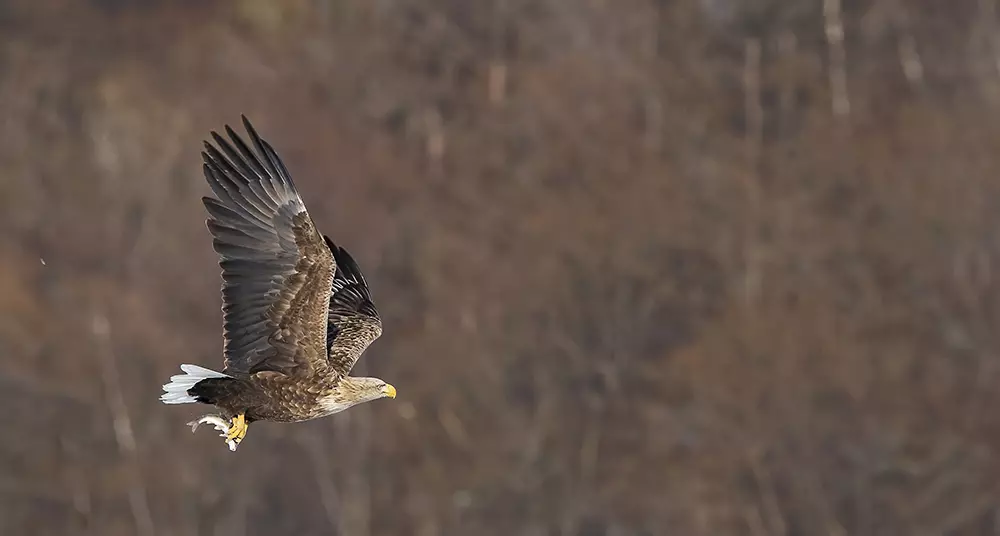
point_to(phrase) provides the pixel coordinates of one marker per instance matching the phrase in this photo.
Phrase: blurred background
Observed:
(686, 267)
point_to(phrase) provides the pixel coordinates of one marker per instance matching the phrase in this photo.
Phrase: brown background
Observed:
(685, 267)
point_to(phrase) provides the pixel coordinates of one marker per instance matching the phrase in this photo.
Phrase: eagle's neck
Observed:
(331, 404)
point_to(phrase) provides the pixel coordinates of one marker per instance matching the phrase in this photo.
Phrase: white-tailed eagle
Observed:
(297, 310)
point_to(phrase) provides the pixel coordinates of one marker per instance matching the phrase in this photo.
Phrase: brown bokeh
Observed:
(691, 267)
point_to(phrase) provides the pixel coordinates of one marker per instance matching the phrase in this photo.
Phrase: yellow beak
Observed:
(389, 391)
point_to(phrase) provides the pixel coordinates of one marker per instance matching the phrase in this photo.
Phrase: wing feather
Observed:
(353, 322)
(276, 268)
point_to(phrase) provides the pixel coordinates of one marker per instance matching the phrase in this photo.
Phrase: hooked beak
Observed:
(389, 391)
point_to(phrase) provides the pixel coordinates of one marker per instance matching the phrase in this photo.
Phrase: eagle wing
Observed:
(353, 322)
(276, 268)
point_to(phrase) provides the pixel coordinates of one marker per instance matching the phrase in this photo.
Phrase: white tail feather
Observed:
(177, 388)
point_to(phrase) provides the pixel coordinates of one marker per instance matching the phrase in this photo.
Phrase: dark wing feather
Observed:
(277, 271)
(353, 322)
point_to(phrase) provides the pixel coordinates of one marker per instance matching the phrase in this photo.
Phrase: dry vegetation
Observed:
(691, 267)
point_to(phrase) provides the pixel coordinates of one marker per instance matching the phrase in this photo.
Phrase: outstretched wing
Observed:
(353, 322)
(277, 271)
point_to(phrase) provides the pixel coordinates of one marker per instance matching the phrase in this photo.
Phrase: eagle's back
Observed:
(269, 396)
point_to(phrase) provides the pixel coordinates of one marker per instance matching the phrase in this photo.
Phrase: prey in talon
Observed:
(234, 431)
(297, 311)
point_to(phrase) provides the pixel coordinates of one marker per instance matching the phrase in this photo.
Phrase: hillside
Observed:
(697, 267)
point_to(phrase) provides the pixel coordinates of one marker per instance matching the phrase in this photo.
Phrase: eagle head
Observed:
(365, 389)
(351, 391)
(387, 389)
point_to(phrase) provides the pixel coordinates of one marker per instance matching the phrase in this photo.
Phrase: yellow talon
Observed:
(237, 431)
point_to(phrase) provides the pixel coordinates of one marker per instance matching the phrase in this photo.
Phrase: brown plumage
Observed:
(297, 310)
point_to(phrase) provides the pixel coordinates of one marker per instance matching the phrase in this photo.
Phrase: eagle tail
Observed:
(178, 390)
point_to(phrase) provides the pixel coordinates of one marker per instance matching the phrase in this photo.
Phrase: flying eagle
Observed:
(297, 310)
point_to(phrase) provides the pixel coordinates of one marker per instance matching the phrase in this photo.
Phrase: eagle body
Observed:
(273, 397)
(297, 311)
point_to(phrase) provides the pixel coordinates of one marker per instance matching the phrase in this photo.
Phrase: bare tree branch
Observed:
(124, 436)
(834, 27)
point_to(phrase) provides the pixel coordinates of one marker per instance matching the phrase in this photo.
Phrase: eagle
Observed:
(297, 311)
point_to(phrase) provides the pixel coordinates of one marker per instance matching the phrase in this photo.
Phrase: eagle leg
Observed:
(233, 431)
(237, 431)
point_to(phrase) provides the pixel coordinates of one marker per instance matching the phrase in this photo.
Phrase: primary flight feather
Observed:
(297, 310)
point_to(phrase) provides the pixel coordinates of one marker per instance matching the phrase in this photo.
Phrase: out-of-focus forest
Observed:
(687, 267)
